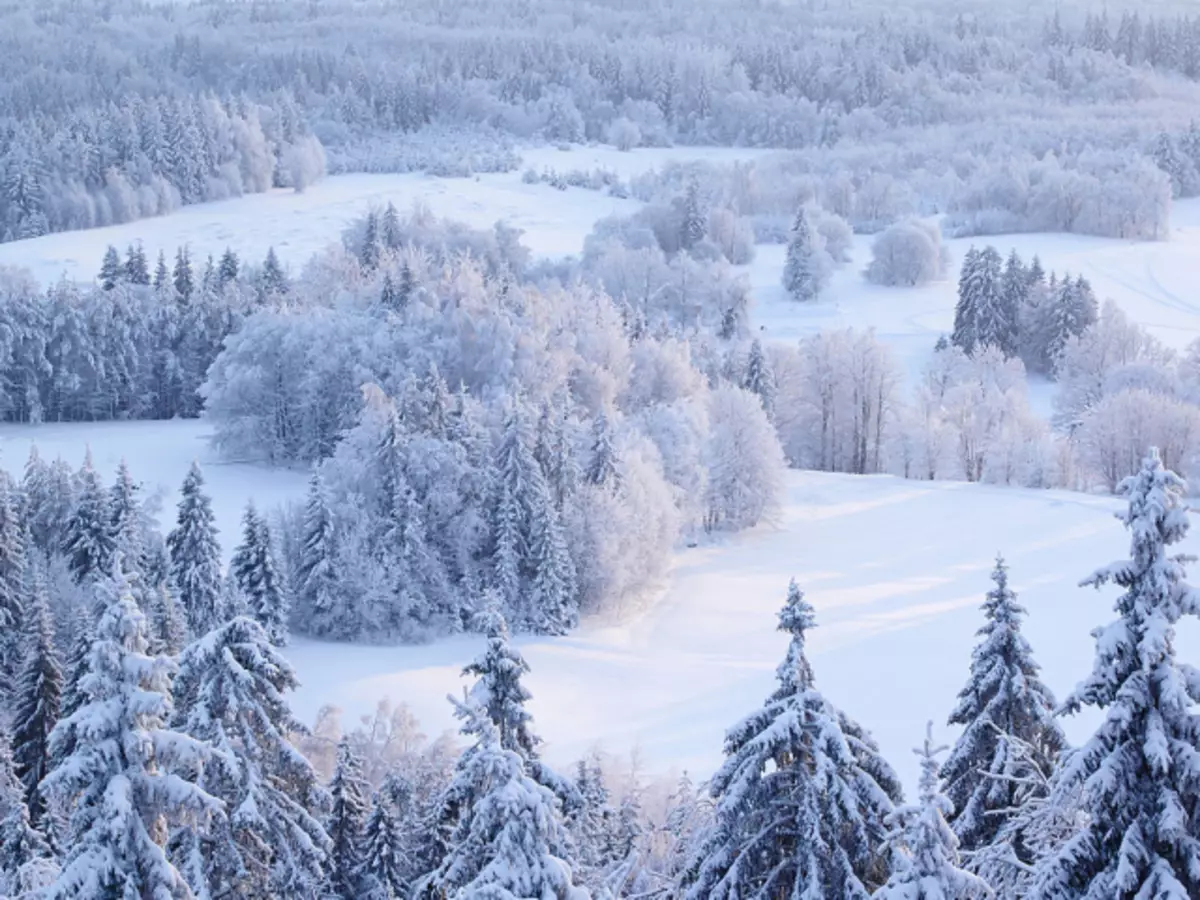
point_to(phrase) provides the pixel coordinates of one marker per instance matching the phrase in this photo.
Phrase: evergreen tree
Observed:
(137, 269)
(1014, 295)
(166, 627)
(405, 287)
(256, 573)
(803, 273)
(126, 772)
(1035, 273)
(82, 638)
(89, 542)
(232, 687)
(112, 271)
(347, 821)
(389, 229)
(182, 275)
(602, 466)
(388, 295)
(1138, 772)
(505, 830)
(316, 576)
(162, 275)
(272, 282)
(556, 456)
(692, 229)
(36, 702)
(554, 592)
(230, 266)
(1002, 703)
(383, 866)
(368, 251)
(794, 809)
(126, 520)
(196, 557)
(982, 317)
(924, 848)
(12, 582)
(759, 378)
(26, 859)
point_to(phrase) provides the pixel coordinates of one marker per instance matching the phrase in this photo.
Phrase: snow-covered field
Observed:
(895, 569)
(299, 225)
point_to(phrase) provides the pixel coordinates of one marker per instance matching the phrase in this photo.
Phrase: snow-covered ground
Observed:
(300, 225)
(895, 569)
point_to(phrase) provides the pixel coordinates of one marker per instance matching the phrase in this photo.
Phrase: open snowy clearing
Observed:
(300, 225)
(895, 569)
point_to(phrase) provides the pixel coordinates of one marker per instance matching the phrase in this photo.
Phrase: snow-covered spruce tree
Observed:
(925, 863)
(982, 317)
(231, 691)
(36, 701)
(26, 860)
(111, 270)
(257, 575)
(794, 809)
(126, 519)
(602, 464)
(694, 227)
(89, 542)
(166, 627)
(1139, 770)
(804, 273)
(498, 690)
(506, 828)
(12, 582)
(1003, 701)
(759, 378)
(124, 775)
(196, 557)
(346, 822)
(316, 588)
(383, 875)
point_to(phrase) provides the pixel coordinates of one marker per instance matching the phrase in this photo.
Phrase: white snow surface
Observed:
(896, 570)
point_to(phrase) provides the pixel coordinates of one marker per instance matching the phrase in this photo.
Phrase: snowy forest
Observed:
(1076, 121)
(502, 448)
(151, 750)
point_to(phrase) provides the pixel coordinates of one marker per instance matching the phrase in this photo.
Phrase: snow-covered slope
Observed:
(896, 570)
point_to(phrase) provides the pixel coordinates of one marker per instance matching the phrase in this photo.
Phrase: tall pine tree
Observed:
(257, 576)
(347, 821)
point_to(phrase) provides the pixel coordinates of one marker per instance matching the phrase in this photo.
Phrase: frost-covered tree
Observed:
(384, 866)
(602, 468)
(229, 267)
(127, 772)
(256, 574)
(126, 519)
(167, 630)
(1138, 771)
(89, 541)
(111, 270)
(1003, 703)
(196, 557)
(907, 254)
(506, 830)
(925, 864)
(692, 229)
(984, 316)
(12, 581)
(759, 378)
(35, 708)
(745, 461)
(316, 588)
(181, 275)
(26, 860)
(346, 822)
(795, 812)
(231, 687)
(804, 272)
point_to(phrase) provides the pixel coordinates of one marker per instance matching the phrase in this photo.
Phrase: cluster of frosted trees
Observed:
(135, 345)
(473, 431)
(172, 104)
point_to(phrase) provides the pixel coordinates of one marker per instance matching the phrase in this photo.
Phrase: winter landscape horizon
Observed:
(522, 451)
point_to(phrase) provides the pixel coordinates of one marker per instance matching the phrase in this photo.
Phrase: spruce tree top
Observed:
(499, 690)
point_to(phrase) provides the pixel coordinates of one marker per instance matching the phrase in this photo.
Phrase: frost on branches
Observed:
(125, 775)
(924, 849)
(797, 815)
(986, 777)
(1140, 771)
